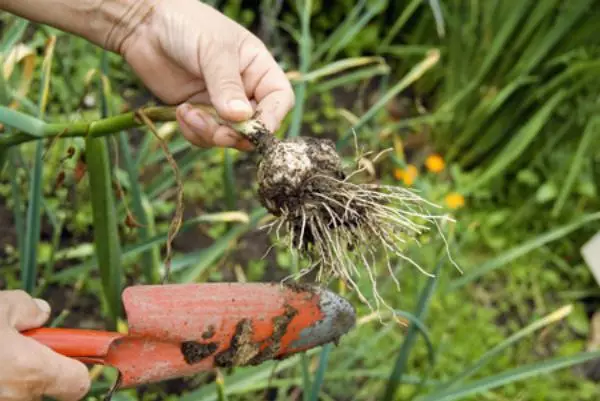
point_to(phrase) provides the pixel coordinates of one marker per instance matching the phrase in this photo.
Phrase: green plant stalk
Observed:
(153, 251)
(231, 195)
(104, 211)
(106, 236)
(33, 223)
(320, 374)
(13, 34)
(579, 157)
(305, 61)
(400, 22)
(306, 382)
(17, 201)
(395, 378)
(95, 129)
(141, 217)
(4, 157)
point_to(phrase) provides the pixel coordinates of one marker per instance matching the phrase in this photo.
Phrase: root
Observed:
(178, 216)
(348, 227)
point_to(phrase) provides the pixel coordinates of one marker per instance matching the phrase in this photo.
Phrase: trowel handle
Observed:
(86, 345)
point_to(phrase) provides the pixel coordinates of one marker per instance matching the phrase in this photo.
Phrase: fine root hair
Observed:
(345, 230)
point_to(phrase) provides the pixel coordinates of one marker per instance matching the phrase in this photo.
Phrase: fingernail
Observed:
(197, 121)
(43, 305)
(239, 106)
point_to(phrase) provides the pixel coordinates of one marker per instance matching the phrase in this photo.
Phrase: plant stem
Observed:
(252, 129)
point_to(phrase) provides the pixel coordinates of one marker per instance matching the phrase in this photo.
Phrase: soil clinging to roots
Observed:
(340, 227)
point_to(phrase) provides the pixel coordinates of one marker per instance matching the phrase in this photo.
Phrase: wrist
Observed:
(119, 20)
(106, 23)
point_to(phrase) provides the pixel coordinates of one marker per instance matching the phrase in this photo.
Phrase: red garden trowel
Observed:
(180, 329)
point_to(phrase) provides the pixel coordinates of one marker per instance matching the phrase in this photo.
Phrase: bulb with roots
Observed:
(342, 228)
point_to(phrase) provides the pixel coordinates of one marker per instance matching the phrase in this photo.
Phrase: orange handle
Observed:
(86, 345)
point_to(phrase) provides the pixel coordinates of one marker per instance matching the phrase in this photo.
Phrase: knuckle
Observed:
(230, 85)
(217, 49)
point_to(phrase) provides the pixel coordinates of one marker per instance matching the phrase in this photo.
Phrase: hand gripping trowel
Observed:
(178, 330)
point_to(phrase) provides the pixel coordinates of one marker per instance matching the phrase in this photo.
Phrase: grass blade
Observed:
(305, 62)
(560, 29)
(373, 9)
(245, 380)
(420, 326)
(513, 375)
(395, 378)
(409, 10)
(104, 218)
(33, 223)
(521, 250)
(413, 75)
(340, 31)
(591, 131)
(13, 34)
(17, 201)
(490, 354)
(306, 382)
(439, 18)
(350, 77)
(22, 122)
(336, 68)
(132, 251)
(166, 180)
(189, 267)
(150, 268)
(3, 159)
(519, 142)
(321, 370)
(229, 180)
(221, 392)
(104, 213)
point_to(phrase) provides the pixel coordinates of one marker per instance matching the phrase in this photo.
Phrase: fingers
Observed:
(22, 312)
(221, 69)
(34, 370)
(68, 381)
(202, 130)
(267, 83)
(29, 369)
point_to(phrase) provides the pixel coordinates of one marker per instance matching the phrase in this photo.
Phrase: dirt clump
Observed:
(241, 349)
(280, 325)
(209, 333)
(194, 352)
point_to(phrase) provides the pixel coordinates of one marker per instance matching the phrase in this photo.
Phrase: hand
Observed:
(28, 369)
(186, 51)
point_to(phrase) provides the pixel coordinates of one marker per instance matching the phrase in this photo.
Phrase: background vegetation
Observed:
(492, 109)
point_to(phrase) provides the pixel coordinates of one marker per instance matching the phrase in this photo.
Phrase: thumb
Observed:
(22, 312)
(221, 70)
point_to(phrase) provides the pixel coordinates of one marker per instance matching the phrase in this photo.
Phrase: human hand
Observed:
(187, 52)
(28, 369)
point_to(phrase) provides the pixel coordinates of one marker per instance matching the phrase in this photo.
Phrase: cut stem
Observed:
(32, 128)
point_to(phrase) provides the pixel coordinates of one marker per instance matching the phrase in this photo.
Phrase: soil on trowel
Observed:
(280, 325)
(194, 352)
(241, 349)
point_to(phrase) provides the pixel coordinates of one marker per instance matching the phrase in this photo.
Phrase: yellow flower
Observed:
(455, 200)
(407, 174)
(435, 163)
